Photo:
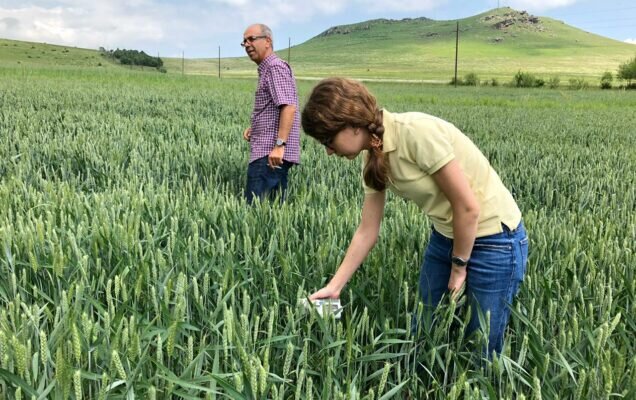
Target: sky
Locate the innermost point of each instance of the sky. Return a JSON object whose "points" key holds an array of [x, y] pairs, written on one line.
{"points": [[199, 28]]}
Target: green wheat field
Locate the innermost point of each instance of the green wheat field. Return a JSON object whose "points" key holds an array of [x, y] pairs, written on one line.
{"points": [[132, 268]]}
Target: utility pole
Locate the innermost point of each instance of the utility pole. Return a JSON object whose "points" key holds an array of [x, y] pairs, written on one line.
{"points": [[183, 63], [219, 62], [456, 51], [289, 52]]}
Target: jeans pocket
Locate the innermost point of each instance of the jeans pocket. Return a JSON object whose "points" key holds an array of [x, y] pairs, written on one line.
{"points": [[491, 265]]}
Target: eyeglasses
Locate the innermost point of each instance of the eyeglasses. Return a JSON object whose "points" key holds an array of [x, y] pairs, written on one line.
{"points": [[251, 39]]}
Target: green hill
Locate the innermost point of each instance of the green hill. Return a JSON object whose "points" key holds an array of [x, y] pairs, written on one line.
{"points": [[497, 43], [18, 53], [15, 53]]}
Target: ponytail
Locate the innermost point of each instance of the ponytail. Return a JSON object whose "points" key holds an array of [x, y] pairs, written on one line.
{"points": [[377, 167]]}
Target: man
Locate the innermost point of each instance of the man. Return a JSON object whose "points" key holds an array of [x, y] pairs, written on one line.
{"points": [[274, 132]]}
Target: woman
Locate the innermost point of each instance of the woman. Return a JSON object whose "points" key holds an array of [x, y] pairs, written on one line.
{"points": [[478, 236]]}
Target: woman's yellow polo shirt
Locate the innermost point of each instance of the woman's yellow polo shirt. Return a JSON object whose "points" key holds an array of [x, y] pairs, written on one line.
{"points": [[417, 145]]}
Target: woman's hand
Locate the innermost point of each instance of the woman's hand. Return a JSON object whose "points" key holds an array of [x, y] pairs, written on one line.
{"points": [[325, 293], [457, 279]]}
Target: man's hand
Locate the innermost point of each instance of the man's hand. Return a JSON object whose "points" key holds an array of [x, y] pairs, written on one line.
{"points": [[247, 134], [275, 158], [457, 279]]}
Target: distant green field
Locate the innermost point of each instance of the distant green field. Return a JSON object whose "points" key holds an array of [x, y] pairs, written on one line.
{"points": [[132, 268]]}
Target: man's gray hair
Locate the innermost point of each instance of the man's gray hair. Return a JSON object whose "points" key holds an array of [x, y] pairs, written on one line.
{"points": [[267, 32]]}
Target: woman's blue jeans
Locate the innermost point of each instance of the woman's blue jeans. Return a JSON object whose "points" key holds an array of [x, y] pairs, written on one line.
{"points": [[496, 268]]}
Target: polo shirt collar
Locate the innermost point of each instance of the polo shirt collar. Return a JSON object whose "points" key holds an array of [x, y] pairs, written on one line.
{"points": [[266, 62], [388, 140]]}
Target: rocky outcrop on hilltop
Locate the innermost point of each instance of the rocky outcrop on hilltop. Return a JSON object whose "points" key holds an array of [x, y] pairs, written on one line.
{"points": [[512, 18], [347, 29]]}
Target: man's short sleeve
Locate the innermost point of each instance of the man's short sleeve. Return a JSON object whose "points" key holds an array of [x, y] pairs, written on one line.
{"points": [[282, 86]]}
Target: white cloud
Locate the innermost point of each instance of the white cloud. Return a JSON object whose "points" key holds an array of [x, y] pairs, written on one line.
{"points": [[84, 25], [632, 41], [273, 12], [403, 5], [151, 24], [232, 3], [8, 24]]}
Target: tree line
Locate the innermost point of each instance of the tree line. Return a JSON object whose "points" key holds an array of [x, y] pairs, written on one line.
{"points": [[133, 57]]}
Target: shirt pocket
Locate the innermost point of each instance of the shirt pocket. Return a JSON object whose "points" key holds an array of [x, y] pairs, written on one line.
{"points": [[261, 97]]}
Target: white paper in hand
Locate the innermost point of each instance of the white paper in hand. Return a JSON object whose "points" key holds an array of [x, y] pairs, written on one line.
{"points": [[324, 306]]}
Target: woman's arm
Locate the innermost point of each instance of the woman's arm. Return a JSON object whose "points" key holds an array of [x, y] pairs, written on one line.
{"points": [[363, 241], [453, 183]]}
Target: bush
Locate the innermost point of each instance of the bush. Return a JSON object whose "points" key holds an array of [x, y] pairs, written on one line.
{"points": [[606, 80], [578, 83], [494, 82], [627, 71], [471, 79], [524, 79], [134, 57], [553, 82]]}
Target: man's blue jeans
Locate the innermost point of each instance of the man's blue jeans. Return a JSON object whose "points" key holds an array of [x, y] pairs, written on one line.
{"points": [[264, 182], [496, 268]]}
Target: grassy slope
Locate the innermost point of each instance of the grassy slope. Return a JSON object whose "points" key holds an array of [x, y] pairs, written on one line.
{"points": [[425, 49], [18, 54]]}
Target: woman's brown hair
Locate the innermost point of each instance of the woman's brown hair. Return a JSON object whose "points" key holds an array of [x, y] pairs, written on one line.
{"points": [[338, 103]]}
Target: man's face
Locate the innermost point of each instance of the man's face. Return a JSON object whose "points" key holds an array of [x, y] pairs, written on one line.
{"points": [[257, 46]]}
